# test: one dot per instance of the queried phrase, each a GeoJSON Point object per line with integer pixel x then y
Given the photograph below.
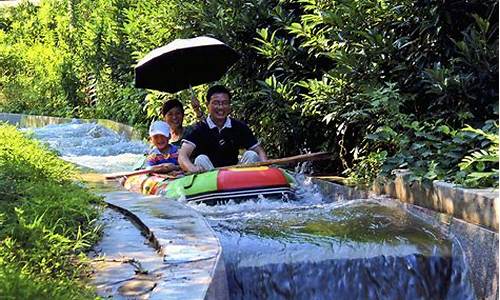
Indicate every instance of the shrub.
{"type": "Point", "coordinates": [313, 75]}
{"type": "Point", "coordinates": [46, 222]}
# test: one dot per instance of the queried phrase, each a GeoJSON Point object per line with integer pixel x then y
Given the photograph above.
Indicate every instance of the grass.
{"type": "Point", "coordinates": [46, 223]}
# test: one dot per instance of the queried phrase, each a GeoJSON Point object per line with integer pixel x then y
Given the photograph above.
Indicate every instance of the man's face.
{"type": "Point", "coordinates": [219, 107]}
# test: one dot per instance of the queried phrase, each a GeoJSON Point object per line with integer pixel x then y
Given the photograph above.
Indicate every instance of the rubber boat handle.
{"type": "Point", "coordinates": [189, 184]}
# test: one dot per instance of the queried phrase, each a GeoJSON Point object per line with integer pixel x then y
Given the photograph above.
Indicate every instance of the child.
{"type": "Point", "coordinates": [163, 156]}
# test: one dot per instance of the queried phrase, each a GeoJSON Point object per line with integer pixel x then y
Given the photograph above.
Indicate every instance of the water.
{"type": "Point", "coordinates": [91, 146]}
{"type": "Point", "coordinates": [304, 248]}
{"type": "Point", "coordinates": [359, 249]}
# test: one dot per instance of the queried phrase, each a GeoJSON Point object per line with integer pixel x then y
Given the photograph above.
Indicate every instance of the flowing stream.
{"type": "Point", "coordinates": [91, 146]}
{"type": "Point", "coordinates": [371, 248]}
{"type": "Point", "coordinates": [303, 248]}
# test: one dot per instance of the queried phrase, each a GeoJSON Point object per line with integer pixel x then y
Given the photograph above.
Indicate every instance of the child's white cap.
{"type": "Point", "coordinates": [159, 127]}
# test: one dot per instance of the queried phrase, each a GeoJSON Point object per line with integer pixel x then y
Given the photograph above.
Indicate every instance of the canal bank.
{"type": "Point", "coordinates": [187, 258]}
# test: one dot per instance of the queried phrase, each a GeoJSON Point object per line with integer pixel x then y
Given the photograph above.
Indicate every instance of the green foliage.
{"type": "Point", "coordinates": [427, 149]}
{"type": "Point", "coordinates": [352, 77]}
{"type": "Point", "coordinates": [150, 24]}
{"type": "Point", "coordinates": [14, 284]}
{"type": "Point", "coordinates": [76, 57]}
{"type": "Point", "coordinates": [25, 160]}
{"type": "Point", "coordinates": [46, 222]}
{"type": "Point", "coordinates": [480, 167]}
{"type": "Point", "coordinates": [435, 151]}
{"type": "Point", "coordinates": [367, 169]}
{"type": "Point", "coordinates": [33, 80]}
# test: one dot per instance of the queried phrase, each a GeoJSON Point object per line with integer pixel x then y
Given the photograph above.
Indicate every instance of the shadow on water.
{"type": "Point", "coordinates": [361, 249]}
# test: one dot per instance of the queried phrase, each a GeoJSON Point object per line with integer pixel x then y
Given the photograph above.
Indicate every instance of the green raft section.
{"type": "Point", "coordinates": [217, 184]}
{"type": "Point", "coordinates": [192, 185]}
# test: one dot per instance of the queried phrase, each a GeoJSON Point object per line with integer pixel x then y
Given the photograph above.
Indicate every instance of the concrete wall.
{"type": "Point", "coordinates": [470, 215]}
{"type": "Point", "coordinates": [191, 264]}
{"type": "Point", "coordinates": [476, 206]}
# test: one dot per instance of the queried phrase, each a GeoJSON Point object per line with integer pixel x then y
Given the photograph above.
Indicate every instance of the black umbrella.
{"type": "Point", "coordinates": [184, 63]}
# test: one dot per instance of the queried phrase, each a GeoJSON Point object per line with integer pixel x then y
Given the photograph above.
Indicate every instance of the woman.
{"type": "Point", "coordinates": [173, 113]}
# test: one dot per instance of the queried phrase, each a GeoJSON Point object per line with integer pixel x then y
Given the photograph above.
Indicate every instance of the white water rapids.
{"type": "Point", "coordinates": [92, 146]}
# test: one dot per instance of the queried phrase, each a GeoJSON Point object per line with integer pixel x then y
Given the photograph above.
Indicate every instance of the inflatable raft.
{"type": "Point", "coordinates": [212, 186]}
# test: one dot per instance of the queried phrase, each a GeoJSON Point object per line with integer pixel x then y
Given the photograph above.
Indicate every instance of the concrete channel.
{"type": "Point", "coordinates": [188, 261]}
{"type": "Point", "coordinates": [471, 216]}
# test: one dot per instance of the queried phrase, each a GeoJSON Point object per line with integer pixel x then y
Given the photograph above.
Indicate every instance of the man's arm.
{"type": "Point", "coordinates": [249, 141]}
{"type": "Point", "coordinates": [260, 151]}
{"type": "Point", "coordinates": [184, 161]}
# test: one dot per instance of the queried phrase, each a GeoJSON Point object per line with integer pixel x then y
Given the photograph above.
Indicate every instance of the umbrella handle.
{"type": "Point", "coordinates": [191, 91]}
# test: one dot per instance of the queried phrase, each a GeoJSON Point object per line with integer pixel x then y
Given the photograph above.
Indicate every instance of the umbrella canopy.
{"type": "Point", "coordinates": [184, 63]}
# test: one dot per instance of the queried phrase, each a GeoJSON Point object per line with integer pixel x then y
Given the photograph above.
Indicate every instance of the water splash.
{"type": "Point", "coordinates": [358, 249]}
{"type": "Point", "coordinates": [91, 145]}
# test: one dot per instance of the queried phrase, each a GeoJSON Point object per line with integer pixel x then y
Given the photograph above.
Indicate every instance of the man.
{"type": "Point", "coordinates": [216, 141]}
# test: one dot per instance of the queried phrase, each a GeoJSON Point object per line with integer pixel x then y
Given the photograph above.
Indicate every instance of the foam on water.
{"type": "Point", "coordinates": [306, 195]}
{"type": "Point", "coordinates": [91, 145]}
{"type": "Point", "coordinates": [305, 249]}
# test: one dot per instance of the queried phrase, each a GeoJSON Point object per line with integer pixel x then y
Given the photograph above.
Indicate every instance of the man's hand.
{"type": "Point", "coordinates": [184, 160]}
{"type": "Point", "coordinates": [197, 169]}
{"type": "Point", "coordinates": [195, 104]}
{"type": "Point", "coordinates": [260, 151]}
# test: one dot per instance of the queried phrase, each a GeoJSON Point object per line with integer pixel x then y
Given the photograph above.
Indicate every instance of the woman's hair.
{"type": "Point", "coordinates": [169, 104]}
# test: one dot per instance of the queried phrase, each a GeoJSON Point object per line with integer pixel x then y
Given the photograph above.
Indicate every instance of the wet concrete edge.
{"type": "Point", "coordinates": [479, 244]}
{"type": "Point", "coordinates": [476, 206]}
{"type": "Point", "coordinates": [217, 287]}
{"type": "Point", "coordinates": [142, 227]}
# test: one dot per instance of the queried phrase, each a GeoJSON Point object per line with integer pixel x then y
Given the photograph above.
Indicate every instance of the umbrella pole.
{"type": "Point", "coordinates": [191, 91]}
{"type": "Point", "coordinates": [196, 104]}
